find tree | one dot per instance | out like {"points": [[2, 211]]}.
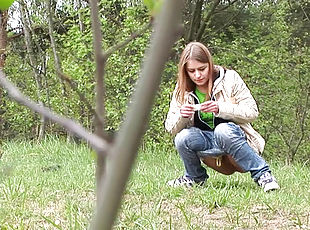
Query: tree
{"points": [[200, 16], [122, 152], [3, 43], [3, 36], [38, 75]]}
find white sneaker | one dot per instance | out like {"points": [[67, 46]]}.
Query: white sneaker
{"points": [[268, 182], [184, 181]]}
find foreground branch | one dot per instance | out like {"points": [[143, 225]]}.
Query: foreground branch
{"points": [[100, 88], [70, 125], [124, 150]]}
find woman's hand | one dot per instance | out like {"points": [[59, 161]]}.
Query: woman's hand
{"points": [[187, 110], [210, 106]]}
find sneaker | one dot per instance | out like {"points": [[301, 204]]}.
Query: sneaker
{"points": [[268, 182], [184, 181]]}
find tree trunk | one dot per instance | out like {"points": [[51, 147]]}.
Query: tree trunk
{"points": [[194, 21], [100, 92], [57, 61], [81, 23], [3, 37], [3, 43], [206, 20], [33, 63], [123, 152]]}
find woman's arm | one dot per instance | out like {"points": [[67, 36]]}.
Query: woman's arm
{"points": [[239, 105], [175, 122]]}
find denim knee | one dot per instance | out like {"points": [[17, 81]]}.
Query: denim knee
{"points": [[226, 134], [188, 139]]}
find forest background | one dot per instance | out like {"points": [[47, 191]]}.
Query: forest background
{"points": [[266, 41]]}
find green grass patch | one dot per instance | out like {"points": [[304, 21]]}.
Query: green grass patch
{"points": [[50, 185], [47, 185]]}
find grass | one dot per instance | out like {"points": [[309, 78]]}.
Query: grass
{"points": [[50, 185], [46, 185]]}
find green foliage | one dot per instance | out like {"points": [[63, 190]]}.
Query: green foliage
{"points": [[267, 42], [274, 64], [5, 4], [153, 6], [18, 121]]}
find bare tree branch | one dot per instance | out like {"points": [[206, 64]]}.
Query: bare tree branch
{"points": [[127, 41], [128, 139], [105, 55], [74, 86], [100, 61], [96, 142], [213, 11], [52, 38]]}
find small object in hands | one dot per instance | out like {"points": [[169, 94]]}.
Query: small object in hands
{"points": [[197, 107], [5, 4]]}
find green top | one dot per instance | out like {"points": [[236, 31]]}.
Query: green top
{"points": [[206, 117]]}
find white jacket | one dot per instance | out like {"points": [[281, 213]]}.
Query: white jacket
{"points": [[235, 103]]}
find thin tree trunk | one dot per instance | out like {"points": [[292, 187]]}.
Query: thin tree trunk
{"points": [[100, 91], [33, 63], [3, 43], [124, 150], [3, 37], [195, 20], [206, 20], [57, 60], [52, 38], [81, 23]]}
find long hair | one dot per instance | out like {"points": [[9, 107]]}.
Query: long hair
{"points": [[193, 51]]}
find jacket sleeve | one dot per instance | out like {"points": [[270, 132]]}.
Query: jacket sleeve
{"points": [[175, 122], [241, 106]]}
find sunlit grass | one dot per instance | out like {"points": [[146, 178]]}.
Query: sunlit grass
{"points": [[50, 185]]}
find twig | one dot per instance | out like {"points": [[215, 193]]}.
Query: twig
{"points": [[126, 41], [100, 62], [96, 142]]}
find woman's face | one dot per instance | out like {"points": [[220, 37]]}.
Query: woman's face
{"points": [[198, 72]]}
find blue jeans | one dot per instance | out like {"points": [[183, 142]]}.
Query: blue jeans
{"points": [[227, 138]]}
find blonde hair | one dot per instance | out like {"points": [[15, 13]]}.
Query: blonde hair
{"points": [[199, 52]]}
